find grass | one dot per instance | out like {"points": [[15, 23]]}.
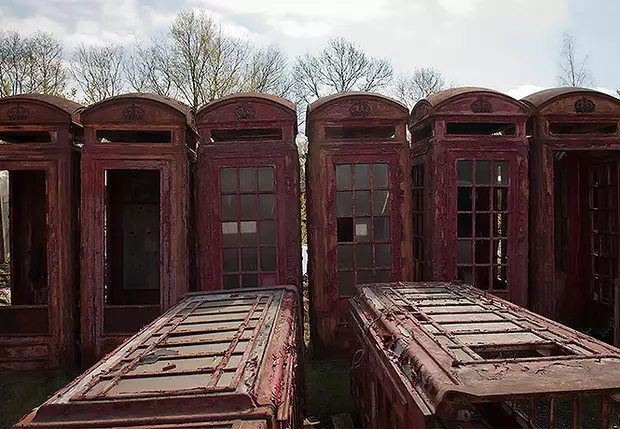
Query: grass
{"points": [[21, 392]]}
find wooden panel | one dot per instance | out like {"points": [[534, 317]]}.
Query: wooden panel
{"points": [[128, 319], [24, 320]]}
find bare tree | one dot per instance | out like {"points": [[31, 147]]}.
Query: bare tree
{"points": [[574, 71], [409, 88], [98, 71], [268, 71], [149, 68], [340, 66], [228, 57], [31, 64]]}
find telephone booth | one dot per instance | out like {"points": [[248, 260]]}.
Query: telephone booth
{"points": [[575, 158], [469, 169], [247, 193], [358, 205], [135, 199], [39, 161]]}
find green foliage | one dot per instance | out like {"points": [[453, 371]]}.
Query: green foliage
{"points": [[304, 220]]}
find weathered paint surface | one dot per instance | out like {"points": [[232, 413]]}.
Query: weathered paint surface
{"points": [[449, 351], [240, 131], [563, 292], [38, 331], [133, 113], [437, 149], [213, 359], [328, 122]]}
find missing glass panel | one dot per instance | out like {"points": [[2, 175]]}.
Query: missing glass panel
{"points": [[345, 230]]}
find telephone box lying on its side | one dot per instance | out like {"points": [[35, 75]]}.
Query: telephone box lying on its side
{"points": [[442, 355], [214, 357], [135, 210], [39, 184]]}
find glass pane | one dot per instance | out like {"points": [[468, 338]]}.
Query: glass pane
{"points": [[247, 179], [464, 171], [247, 208], [267, 232], [365, 277], [249, 280], [500, 252], [267, 258], [383, 255], [230, 260], [228, 180], [563, 412], [381, 202], [266, 206], [500, 202], [362, 176], [362, 229], [231, 281], [363, 255], [483, 172], [382, 228], [346, 283], [464, 274], [249, 259], [483, 225], [483, 199], [230, 233], [464, 227], [464, 199], [343, 176], [269, 279], [345, 229], [500, 225], [500, 279], [483, 251], [501, 173], [345, 256], [362, 203], [229, 207], [464, 252], [482, 278], [344, 203], [248, 232], [380, 176], [383, 276], [265, 179]]}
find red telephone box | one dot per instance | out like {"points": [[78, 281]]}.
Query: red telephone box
{"points": [[575, 157], [247, 193], [469, 173], [358, 203], [135, 208], [39, 159]]}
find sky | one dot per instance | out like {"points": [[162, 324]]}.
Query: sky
{"points": [[509, 45]]}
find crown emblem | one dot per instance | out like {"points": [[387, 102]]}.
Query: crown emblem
{"points": [[18, 113], [133, 113]]}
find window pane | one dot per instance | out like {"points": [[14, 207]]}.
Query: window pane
{"points": [[464, 227], [344, 203], [500, 225], [230, 233], [231, 281], [267, 232], [346, 283], [501, 173], [345, 230], [483, 251], [265, 179], [230, 260], [343, 176], [383, 276], [483, 199], [248, 232], [365, 277], [464, 172], [500, 281], [247, 179], [381, 202], [464, 199], [464, 274], [362, 229], [267, 258], [483, 172], [464, 252], [383, 255], [249, 280], [362, 203], [362, 176], [345, 256], [500, 252], [483, 225], [247, 208], [482, 278], [229, 207], [228, 180], [380, 175], [363, 255], [382, 228], [249, 259], [500, 202], [266, 206], [269, 279]]}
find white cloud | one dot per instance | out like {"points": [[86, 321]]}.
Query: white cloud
{"points": [[459, 6], [294, 28], [524, 90]]}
